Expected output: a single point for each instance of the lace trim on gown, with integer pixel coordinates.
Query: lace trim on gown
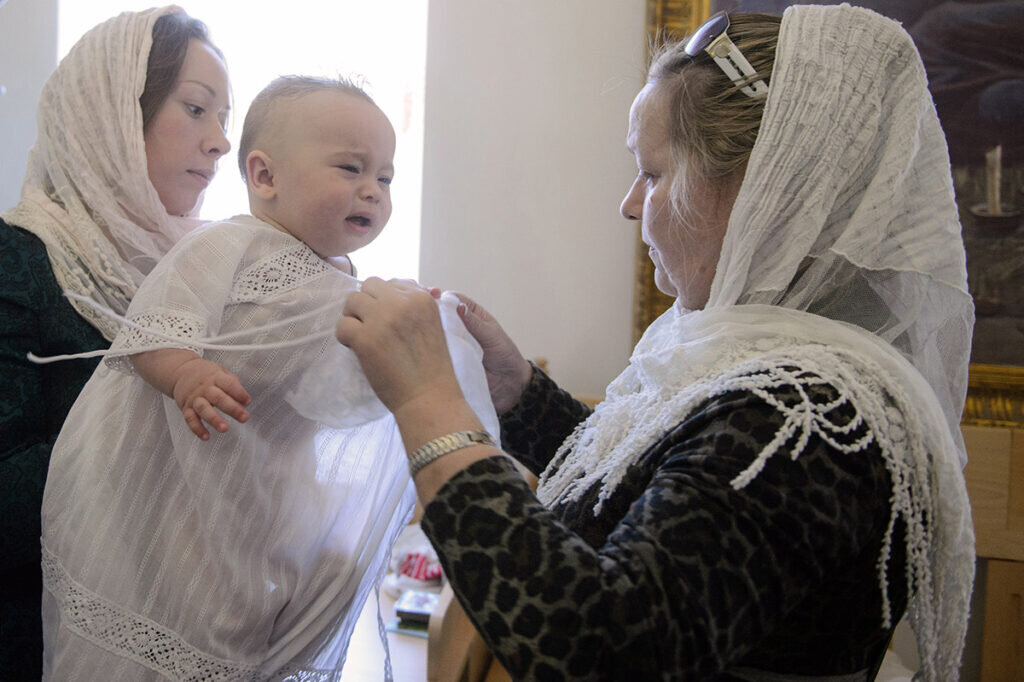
(109, 626)
(274, 274)
(167, 323)
(148, 643)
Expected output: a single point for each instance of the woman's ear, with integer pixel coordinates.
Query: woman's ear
(259, 174)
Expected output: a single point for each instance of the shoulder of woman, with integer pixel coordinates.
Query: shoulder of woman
(783, 410)
(26, 276)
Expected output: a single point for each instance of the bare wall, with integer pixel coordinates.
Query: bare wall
(28, 53)
(524, 169)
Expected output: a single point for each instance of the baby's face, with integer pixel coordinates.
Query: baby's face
(333, 180)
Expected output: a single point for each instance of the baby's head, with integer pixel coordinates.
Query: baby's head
(317, 156)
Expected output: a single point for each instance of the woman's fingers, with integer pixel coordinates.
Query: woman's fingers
(362, 302)
(508, 372)
(407, 284)
(394, 328)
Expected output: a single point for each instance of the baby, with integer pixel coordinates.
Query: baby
(317, 156)
(247, 555)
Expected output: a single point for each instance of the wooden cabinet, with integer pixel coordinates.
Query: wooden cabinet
(995, 483)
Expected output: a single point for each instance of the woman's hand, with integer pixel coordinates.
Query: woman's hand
(508, 372)
(394, 328)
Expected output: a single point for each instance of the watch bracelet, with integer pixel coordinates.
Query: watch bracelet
(444, 445)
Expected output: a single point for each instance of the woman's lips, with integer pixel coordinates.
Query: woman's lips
(203, 177)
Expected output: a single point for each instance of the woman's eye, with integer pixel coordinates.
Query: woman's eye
(350, 169)
(195, 110)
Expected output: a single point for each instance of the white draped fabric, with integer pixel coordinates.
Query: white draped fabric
(250, 555)
(843, 258)
(87, 193)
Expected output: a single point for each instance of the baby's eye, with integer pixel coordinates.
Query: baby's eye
(385, 181)
(349, 168)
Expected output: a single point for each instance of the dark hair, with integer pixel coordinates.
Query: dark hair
(288, 87)
(171, 35)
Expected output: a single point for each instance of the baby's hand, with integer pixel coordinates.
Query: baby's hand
(201, 388)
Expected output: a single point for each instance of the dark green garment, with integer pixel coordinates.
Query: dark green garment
(34, 401)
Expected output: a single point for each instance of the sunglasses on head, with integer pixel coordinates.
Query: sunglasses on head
(712, 38)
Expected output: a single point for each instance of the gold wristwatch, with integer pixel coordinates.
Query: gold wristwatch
(431, 450)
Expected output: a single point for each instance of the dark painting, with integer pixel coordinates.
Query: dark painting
(973, 53)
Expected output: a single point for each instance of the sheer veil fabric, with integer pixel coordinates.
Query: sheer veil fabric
(86, 192)
(843, 258)
(250, 555)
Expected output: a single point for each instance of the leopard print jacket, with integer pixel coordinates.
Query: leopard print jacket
(680, 577)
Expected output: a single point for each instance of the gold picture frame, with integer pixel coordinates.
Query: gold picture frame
(673, 18)
(995, 395)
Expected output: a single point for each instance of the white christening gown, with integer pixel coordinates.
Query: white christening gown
(250, 555)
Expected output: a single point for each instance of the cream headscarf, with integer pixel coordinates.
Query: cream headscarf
(87, 193)
(842, 257)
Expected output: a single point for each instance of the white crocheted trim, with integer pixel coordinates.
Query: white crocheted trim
(179, 325)
(277, 273)
(148, 643)
(803, 420)
(601, 450)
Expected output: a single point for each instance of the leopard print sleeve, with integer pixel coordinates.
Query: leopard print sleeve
(544, 417)
(681, 577)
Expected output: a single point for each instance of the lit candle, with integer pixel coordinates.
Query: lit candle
(993, 173)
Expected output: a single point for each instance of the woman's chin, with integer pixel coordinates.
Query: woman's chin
(664, 284)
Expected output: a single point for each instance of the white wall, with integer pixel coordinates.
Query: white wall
(524, 168)
(28, 53)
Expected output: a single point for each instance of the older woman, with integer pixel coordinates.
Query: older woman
(131, 126)
(777, 473)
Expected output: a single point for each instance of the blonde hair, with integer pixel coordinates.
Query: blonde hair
(712, 125)
(287, 87)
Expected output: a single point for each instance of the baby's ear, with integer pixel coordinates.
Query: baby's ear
(259, 174)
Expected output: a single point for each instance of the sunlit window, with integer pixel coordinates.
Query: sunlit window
(382, 44)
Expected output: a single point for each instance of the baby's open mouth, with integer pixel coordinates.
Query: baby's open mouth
(362, 221)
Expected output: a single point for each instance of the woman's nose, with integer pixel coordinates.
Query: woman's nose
(217, 143)
(631, 208)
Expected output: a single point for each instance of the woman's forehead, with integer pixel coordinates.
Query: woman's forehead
(204, 67)
(648, 119)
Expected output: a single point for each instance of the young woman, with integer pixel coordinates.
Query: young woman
(131, 127)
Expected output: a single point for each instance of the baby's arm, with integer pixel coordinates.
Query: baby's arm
(200, 387)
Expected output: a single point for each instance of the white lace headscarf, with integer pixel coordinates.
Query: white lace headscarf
(87, 193)
(842, 257)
